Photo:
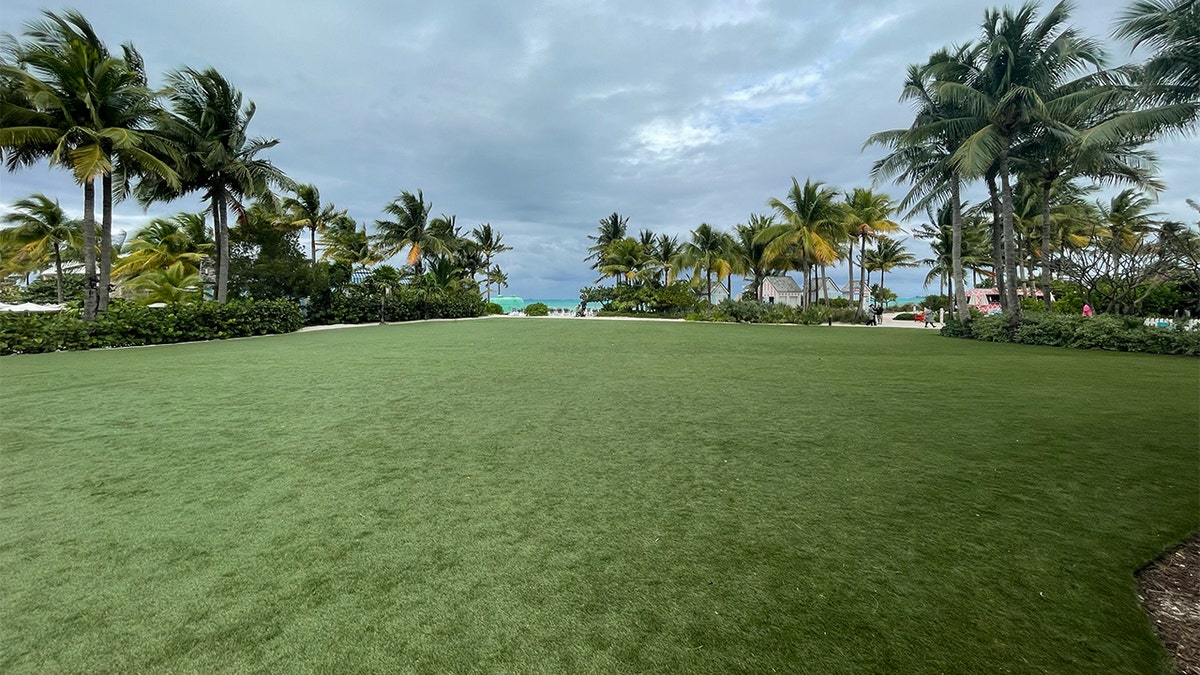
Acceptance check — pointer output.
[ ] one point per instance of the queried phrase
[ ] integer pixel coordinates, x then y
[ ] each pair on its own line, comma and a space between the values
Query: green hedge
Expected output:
1112, 333
358, 304
751, 311
537, 309
127, 325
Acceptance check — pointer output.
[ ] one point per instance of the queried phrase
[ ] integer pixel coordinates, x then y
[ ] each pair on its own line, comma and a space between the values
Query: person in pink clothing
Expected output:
1087, 309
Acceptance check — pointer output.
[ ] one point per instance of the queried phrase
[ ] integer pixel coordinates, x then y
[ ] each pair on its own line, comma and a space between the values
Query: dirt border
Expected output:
1169, 590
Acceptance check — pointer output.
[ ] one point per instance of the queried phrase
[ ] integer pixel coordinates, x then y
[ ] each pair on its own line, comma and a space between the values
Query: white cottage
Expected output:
780, 290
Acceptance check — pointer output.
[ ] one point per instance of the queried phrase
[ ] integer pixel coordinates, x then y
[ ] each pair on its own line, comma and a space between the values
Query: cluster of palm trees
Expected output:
811, 229
1032, 109
66, 98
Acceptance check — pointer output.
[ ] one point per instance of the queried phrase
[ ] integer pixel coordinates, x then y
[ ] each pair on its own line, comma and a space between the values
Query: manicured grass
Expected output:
584, 496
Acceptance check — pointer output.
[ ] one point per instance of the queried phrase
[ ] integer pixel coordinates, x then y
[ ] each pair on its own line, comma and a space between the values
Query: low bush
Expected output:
493, 308
1112, 333
128, 324
750, 311
537, 309
905, 316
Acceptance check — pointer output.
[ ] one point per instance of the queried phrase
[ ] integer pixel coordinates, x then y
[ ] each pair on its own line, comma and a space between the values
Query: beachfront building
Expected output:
780, 290
987, 300
824, 289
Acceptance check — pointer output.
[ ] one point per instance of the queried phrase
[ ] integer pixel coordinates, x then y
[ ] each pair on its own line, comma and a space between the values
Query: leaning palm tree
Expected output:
83, 108
810, 231
38, 230
209, 125
411, 229
305, 210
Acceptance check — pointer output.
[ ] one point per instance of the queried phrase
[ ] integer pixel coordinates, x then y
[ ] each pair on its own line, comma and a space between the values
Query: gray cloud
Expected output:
543, 117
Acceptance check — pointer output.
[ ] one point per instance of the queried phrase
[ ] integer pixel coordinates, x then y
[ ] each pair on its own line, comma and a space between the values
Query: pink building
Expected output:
987, 300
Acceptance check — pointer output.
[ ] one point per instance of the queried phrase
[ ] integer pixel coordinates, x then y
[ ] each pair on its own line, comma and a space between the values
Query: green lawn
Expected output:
586, 496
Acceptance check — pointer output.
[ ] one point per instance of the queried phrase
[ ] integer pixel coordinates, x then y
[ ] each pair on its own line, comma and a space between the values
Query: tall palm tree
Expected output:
490, 243
867, 215
85, 109
38, 230
305, 210
708, 251
921, 155
810, 229
209, 125
410, 228
1022, 64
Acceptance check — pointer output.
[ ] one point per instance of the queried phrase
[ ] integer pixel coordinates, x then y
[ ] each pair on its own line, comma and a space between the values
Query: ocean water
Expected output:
561, 303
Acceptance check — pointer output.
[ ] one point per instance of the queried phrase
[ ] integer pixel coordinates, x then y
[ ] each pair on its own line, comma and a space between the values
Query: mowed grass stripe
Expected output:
553, 496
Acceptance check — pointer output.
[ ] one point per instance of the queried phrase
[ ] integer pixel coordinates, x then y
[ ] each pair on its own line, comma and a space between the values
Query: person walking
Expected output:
929, 320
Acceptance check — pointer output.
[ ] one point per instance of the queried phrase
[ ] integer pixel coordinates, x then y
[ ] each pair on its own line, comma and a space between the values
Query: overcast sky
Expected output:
543, 117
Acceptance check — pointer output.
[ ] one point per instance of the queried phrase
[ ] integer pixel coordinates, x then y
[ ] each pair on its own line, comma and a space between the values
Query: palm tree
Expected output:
176, 283
812, 219
345, 243
410, 229
612, 228
163, 242
867, 215
1166, 94
489, 243
39, 230
1022, 64
624, 259
922, 153
749, 254
305, 210
888, 255
87, 110
665, 254
708, 251
209, 126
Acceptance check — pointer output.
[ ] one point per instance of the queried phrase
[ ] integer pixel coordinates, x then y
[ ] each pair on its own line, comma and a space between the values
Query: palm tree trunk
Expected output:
58, 282
1046, 246
850, 275
105, 241
997, 240
862, 271
91, 284
1010, 245
956, 268
708, 279
312, 231
222, 230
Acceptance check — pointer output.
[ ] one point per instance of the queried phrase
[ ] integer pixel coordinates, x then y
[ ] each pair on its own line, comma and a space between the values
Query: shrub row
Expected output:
1113, 333
127, 324
750, 311
356, 304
